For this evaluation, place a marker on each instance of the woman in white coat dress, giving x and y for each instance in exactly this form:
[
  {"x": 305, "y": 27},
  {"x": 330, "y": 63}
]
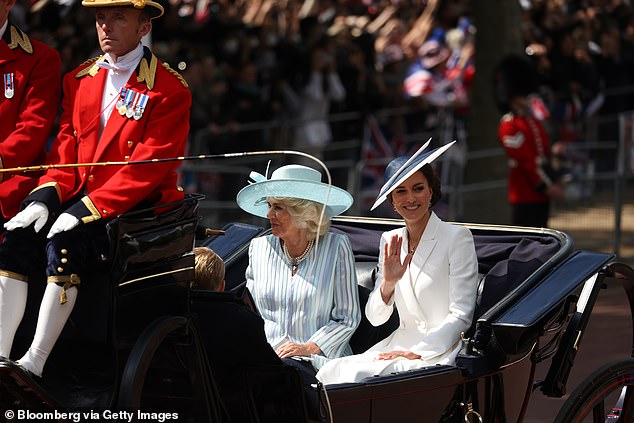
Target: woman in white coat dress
[{"x": 428, "y": 269}]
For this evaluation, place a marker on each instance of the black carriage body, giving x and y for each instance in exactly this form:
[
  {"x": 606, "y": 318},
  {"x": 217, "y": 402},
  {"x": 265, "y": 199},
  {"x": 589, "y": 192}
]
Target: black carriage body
[
  {"x": 128, "y": 340},
  {"x": 530, "y": 281},
  {"x": 534, "y": 299}
]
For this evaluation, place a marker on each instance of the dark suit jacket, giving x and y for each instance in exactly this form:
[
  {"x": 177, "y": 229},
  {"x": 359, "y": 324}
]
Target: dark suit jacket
[
  {"x": 251, "y": 378},
  {"x": 233, "y": 333}
]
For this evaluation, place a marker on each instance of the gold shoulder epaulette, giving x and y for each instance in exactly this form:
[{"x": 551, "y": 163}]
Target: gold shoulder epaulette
[
  {"x": 19, "y": 38},
  {"x": 89, "y": 70},
  {"x": 147, "y": 72},
  {"x": 94, "y": 59},
  {"x": 176, "y": 74},
  {"x": 507, "y": 116}
]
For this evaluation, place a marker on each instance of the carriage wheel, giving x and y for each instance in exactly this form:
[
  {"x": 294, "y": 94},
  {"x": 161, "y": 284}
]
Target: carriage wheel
[
  {"x": 141, "y": 355},
  {"x": 138, "y": 364},
  {"x": 603, "y": 397}
]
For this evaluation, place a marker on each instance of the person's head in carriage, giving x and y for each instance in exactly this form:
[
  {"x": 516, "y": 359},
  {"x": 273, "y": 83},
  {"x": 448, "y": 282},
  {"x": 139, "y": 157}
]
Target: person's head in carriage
[
  {"x": 427, "y": 269},
  {"x": 209, "y": 270},
  {"x": 302, "y": 277}
]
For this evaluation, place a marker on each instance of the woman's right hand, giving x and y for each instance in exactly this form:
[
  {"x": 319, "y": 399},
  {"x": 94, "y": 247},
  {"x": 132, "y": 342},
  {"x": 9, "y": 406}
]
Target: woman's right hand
[{"x": 393, "y": 269}]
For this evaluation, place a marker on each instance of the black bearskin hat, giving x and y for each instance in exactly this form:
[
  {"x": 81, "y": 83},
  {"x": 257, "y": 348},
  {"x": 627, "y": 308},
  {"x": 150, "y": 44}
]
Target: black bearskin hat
[{"x": 514, "y": 76}]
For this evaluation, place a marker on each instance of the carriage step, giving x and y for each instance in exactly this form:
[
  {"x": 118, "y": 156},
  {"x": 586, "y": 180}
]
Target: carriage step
[{"x": 19, "y": 390}]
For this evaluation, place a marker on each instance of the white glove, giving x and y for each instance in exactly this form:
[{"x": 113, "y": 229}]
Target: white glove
[
  {"x": 35, "y": 212},
  {"x": 65, "y": 222}
]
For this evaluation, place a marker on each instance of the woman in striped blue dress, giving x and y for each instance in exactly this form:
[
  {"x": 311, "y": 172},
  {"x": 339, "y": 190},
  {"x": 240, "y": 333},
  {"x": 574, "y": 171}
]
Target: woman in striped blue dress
[{"x": 302, "y": 277}]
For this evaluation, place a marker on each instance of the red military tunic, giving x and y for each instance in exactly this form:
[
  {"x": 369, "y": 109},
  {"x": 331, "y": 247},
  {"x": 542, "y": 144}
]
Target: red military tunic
[
  {"x": 27, "y": 117},
  {"x": 528, "y": 147},
  {"x": 161, "y": 132}
]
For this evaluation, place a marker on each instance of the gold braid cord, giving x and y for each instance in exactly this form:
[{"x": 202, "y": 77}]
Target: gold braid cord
[{"x": 19, "y": 38}]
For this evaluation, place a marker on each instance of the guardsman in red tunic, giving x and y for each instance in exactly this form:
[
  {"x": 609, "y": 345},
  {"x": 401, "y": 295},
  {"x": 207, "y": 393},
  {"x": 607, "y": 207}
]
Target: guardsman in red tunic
[
  {"x": 29, "y": 100},
  {"x": 531, "y": 182},
  {"x": 125, "y": 105}
]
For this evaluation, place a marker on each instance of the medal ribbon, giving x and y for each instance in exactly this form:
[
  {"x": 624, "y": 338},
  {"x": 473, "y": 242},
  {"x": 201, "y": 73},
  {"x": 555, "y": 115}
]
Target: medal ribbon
[
  {"x": 122, "y": 94},
  {"x": 128, "y": 97},
  {"x": 8, "y": 85},
  {"x": 143, "y": 102}
]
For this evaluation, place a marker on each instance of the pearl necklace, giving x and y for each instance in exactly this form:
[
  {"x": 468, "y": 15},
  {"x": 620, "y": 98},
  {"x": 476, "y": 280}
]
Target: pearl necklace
[{"x": 295, "y": 261}]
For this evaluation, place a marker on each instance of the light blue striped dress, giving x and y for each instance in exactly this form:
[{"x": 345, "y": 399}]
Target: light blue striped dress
[{"x": 319, "y": 304}]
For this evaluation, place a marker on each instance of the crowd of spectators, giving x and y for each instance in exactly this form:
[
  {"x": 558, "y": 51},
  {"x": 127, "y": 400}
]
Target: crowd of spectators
[{"x": 267, "y": 73}]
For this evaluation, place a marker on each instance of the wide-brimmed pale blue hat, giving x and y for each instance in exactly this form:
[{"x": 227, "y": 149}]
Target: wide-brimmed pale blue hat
[
  {"x": 401, "y": 168},
  {"x": 292, "y": 181}
]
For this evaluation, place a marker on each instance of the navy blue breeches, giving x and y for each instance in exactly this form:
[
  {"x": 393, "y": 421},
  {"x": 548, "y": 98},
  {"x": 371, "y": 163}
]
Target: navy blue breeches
[{"x": 78, "y": 251}]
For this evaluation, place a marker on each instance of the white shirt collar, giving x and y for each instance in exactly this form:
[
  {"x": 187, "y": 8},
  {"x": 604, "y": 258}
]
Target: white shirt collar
[
  {"x": 126, "y": 62},
  {"x": 4, "y": 28}
]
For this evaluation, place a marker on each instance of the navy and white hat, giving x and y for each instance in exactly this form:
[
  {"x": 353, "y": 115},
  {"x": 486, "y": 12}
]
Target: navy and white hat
[
  {"x": 292, "y": 181},
  {"x": 401, "y": 168}
]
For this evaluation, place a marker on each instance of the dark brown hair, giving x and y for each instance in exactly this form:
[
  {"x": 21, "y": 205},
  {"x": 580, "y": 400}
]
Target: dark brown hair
[{"x": 434, "y": 182}]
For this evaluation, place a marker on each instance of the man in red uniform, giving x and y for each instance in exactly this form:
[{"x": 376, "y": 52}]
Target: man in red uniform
[
  {"x": 29, "y": 101},
  {"x": 124, "y": 105},
  {"x": 531, "y": 183}
]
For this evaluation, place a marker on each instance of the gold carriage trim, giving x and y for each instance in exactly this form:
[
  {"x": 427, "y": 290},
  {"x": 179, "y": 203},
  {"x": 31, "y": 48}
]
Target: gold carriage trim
[
  {"x": 50, "y": 184},
  {"x": 89, "y": 70},
  {"x": 176, "y": 74},
  {"x": 19, "y": 38},
  {"x": 94, "y": 212},
  {"x": 13, "y": 275},
  {"x": 147, "y": 73},
  {"x": 68, "y": 281}
]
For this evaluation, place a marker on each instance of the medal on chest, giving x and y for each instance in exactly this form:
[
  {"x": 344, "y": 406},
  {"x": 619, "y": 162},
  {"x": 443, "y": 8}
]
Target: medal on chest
[
  {"x": 131, "y": 104},
  {"x": 120, "y": 106},
  {"x": 130, "y": 112},
  {"x": 126, "y": 98},
  {"x": 139, "y": 108},
  {"x": 9, "y": 85}
]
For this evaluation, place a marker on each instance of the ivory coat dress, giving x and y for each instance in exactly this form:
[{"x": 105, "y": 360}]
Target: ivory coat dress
[{"x": 435, "y": 301}]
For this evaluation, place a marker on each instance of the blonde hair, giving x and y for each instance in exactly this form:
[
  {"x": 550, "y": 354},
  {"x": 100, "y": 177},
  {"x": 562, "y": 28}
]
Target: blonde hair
[
  {"x": 209, "y": 270},
  {"x": 305, "y": 215}
]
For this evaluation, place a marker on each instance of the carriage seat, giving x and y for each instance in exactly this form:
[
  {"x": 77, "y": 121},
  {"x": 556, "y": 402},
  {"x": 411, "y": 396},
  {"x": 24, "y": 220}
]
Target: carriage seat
[{"x": 504, "y": 262}]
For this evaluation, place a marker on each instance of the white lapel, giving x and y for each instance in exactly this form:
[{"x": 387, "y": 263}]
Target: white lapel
[
  {"x": 425, "y": 247},
  {"x": 407, "y": 285},
  {"x": 407, "y": 282}
]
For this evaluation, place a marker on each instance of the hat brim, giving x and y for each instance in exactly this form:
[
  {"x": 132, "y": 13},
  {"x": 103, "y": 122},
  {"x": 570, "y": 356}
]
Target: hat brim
[
  {"x": 408, "y": 169},
  {"x": 156, "y": 8},
  {"x": 252, "y": 198}
]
